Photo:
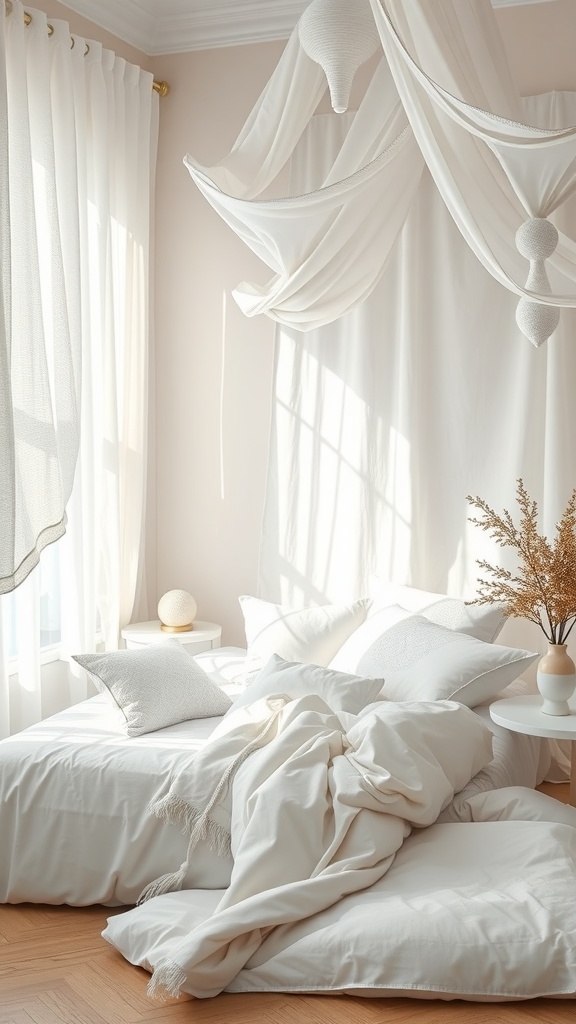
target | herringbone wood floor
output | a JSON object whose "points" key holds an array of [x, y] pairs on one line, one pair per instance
{"points": [[56, 969]]}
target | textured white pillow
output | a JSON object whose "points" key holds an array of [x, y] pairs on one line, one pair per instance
{"points": [[156, 686], [378, 621], [481, 621], [341, 691], [420, 660], [297, 634]]}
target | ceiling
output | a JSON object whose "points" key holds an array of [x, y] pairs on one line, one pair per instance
{"points": [[178, 26]]}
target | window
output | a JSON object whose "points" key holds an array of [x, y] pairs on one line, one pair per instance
{"points": [[47, 579]]}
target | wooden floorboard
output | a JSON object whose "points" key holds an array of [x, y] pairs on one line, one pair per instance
{"points": [[55, 968]]}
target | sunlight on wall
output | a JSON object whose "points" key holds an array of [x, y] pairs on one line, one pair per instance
{"points": [[344, 506]]}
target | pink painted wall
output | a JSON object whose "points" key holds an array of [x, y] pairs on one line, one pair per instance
{"points": [[210, 405], [213, 365]]}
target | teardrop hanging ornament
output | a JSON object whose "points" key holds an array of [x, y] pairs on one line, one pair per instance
{"points": [[339, 35]]}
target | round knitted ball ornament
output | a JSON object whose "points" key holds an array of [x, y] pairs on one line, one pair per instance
{"points": [[536, 240]]}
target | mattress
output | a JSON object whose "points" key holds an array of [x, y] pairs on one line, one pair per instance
{"points": [[75, 824]]}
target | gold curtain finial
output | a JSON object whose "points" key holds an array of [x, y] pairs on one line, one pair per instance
{"points": [[162, 88]]}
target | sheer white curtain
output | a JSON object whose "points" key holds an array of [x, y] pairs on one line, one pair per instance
{"points": [[41, 328], [384, 421], [80, 133]]}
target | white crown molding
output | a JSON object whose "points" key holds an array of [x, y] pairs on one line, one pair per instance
{"points": [[228, 24], [126, 19], [518, 3], [207, 24]]}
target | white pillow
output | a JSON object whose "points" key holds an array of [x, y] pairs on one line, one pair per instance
{"points": [[378, 620], [462, 906], [297, 634], [341, 691], [481, 621], [145, 935], [422, 661], [155, 686]]}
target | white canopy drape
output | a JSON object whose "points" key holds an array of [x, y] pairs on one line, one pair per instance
{"points": [[384, 421], [442, 94]]}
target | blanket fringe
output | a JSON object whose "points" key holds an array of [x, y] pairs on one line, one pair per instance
{"points": [[171, 882], [213, 833], [175, 811], [199, 824], [166, 981]]}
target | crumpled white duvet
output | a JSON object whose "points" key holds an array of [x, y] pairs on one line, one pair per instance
{"points": [[313, 814]]}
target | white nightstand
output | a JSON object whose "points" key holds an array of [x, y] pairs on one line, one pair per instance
{"points": [[524, 714], [205, 636]]}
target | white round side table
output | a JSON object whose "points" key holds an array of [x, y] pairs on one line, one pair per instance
{"points": [[524, 714], [203, 637]]}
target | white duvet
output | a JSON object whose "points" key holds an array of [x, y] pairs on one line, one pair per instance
{"points": [[313, 813], [344, 880]]}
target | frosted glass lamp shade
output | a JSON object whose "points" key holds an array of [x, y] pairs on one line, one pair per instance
{"points": [[339, 35], [176, 611]]}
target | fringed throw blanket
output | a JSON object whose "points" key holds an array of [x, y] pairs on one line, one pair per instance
{"points": [[310, 813]]}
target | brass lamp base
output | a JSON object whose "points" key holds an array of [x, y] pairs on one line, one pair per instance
{"points": [[177, 629]]}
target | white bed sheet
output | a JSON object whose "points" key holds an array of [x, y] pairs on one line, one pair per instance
{"points": [[74, 793]]}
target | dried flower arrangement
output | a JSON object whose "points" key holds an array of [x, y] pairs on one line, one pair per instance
{"points": [[543, 590]]}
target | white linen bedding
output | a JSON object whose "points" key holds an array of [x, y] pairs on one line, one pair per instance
{"points": [[342, 881], [314, 811], [74, 792]]}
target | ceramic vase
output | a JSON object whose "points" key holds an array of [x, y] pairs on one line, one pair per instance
{"points": [[556, 680]]}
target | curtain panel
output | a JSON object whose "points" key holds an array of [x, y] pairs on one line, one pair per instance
{"points": [[41, 324], [78, 144]]}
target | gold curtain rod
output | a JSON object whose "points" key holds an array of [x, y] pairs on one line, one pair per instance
{"points": [[162, 88]]}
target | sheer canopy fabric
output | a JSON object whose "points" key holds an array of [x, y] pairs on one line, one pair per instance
{"points": [[492, 169], [327, 247], [383, 422], [442, 94]]}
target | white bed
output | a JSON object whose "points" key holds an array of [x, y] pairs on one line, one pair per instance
{"points": [[74, 793], [446, 872]]}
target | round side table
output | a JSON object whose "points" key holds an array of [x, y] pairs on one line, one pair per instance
{"points": [[203, 637], [524, 714]]}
